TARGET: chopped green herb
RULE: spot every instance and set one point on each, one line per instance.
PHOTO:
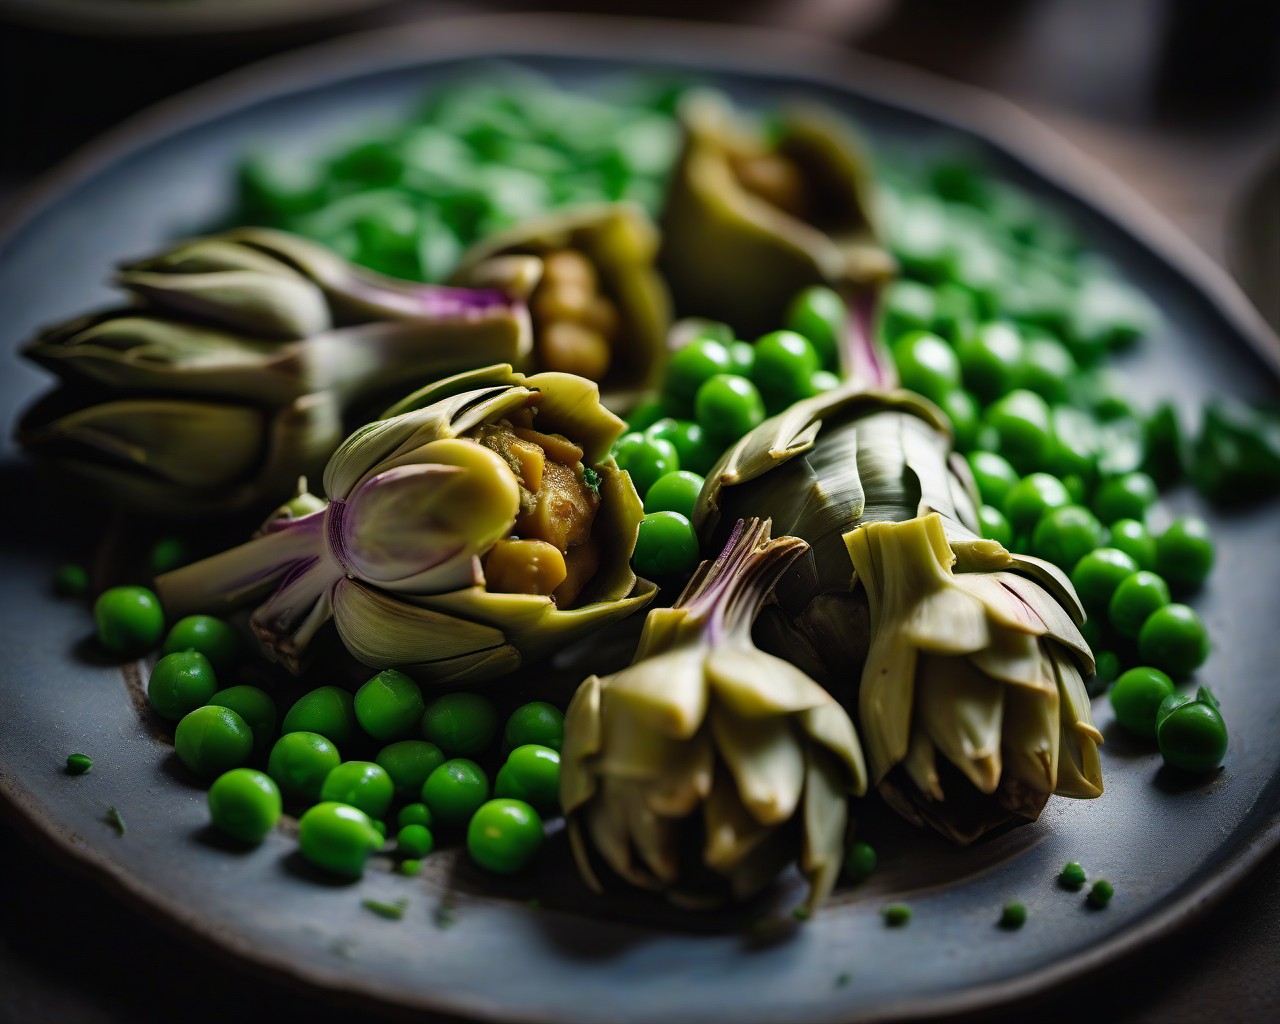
(115, 820)
(1072, 875)
(896, 915)
(800, 912)
(591, 478)
(444, 912)
(1100, 894)
(1013, 916)
(78, 764)
(411, 867)
(392, 910)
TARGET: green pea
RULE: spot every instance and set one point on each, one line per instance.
(361, 784)
(995, 526)
(415, 841)
(130, 620)
(1031, 498)
(990, 358)
(907, 306)
(414, 814)
(822, 382)
(180, 682)
(665, 544)
(1133, 538)
(859, 861)
(955, 312)
(1097, 575)
(1013, 916)
(531, 774)
(645, 459)
(1100, 894)
(819, 314)
(927, 365)
(1106, 672)
(690, 367)
(536, 722)
(504, 836)
(920, 238)
(962, 410)
(896, 915)
(1163, 445)
(1136, 697)
(1134, 601)
(454, 791)
(695, 452)
(1184, 554)
(994, 477)
(70, 581)
(1125, 497)
(674, 492)
(245, 804)
(215, 639)
(1173, 638)
(742, 358)
(727, 407)
(411, 868)
(784, 364)
(167, 554)
(645, 415)
(409, 762)
(461, 723)
(211, 740)
(1072, 875)
(338, 838)
(1021, 420)
(389, 705)
(78, 764)
(300, 762)
(255, 706)
(1066, 534)
(328, 710)
(1191, 733)
(1047, 368)
(1076, 446)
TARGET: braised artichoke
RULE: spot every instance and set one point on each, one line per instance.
(413, 556)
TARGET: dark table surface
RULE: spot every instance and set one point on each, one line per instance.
(1187, 112)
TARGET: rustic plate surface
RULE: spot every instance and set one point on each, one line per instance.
(474, 949)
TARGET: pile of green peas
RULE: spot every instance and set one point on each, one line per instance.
(715, 390)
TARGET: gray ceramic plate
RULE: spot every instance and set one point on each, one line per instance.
(1169, 849)
(176, 18)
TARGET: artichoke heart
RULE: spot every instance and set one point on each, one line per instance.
(481, 523)
(707, 766)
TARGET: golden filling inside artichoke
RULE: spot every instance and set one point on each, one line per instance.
(576, 326)
(551, 550)
(794, 179)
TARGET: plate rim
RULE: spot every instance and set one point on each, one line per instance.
(998, 122)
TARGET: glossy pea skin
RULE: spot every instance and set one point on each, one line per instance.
(78, 764)
(819, 315)
(1031, 498)
(927, 365)
(211, 740)
(1100, 894)
(338, 838)
(454, 790)
(962, 410)
(990, 358)
(1097, 575)
(645, 415)
(245, 804)
(674, 492)
(908, 306)
(727, 407)
(1013, 916)
(1129, 496)
(129, 620)
(1185, 554)
(993, 475)
(1047, 367)
(409, 762)
(414, 814)
(328, 710)
(742, 358)
(1022, 421)
(461, 723)
(300, 762)
(1072, 875)
(645, 459)
(1134, 601)
(1064, 535)
(1191, 733)
(415, 841)
(180, 682)
(896, 915)
(504, 835)
(1136, 697)
(536, 722)
(859, 861)
(362, 784)
(1135, 540)
(784, 365)
(1174, 639)
(995, 526)
(255, 706)
(1075, 448)
(389, 706)
(531, 774)
(665, 544)
(695, 452)
(691, 367)
(822, 382)
(215, 639)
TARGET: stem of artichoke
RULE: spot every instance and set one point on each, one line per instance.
(863, 357)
